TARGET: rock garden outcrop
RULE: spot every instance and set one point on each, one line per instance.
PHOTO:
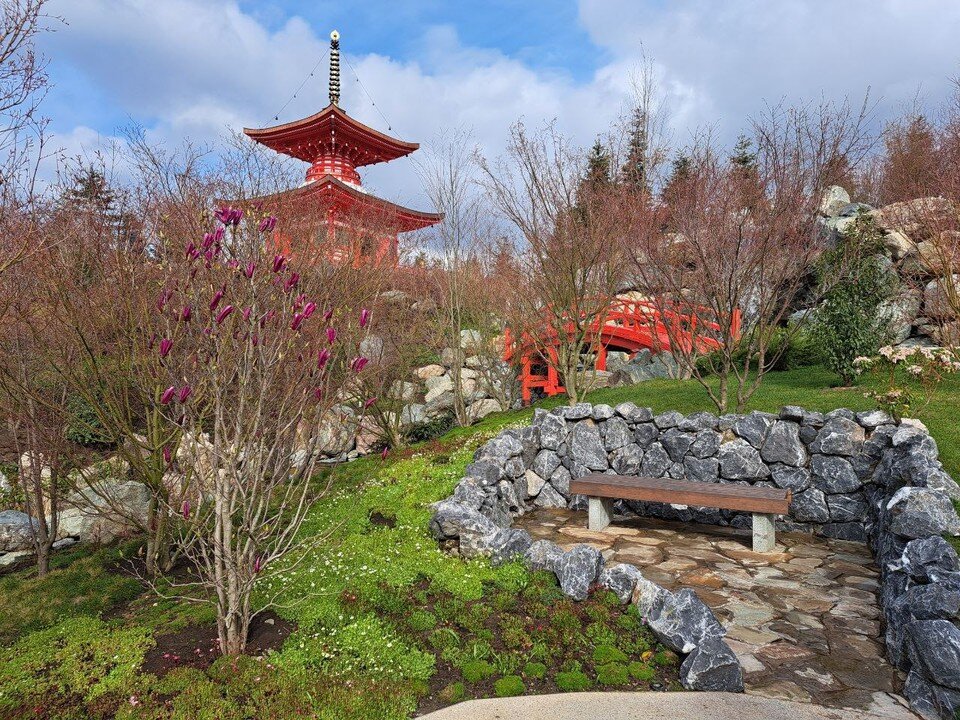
(854, 476)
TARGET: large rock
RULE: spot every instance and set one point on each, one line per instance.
(627, 459)
(782, 445)
(553, 431)
(930, 701)
(935, 647)
(586, 447)
(682, 622)
(809, 505)
(712, 666)
(481, 408)
(15, 532)
(917, 219)
(543, 555)
(753, 428)
(919, 512)
(839, 436)
(337, 431)
(453, 519)
(616, 433)
(929, 559)
(104, 511)
(676, 443)
(833, 200)
(834, 474)
(621, 580)
(578, 570)
(500, 546)
(656, 461)
(936, 298)
(739, 460)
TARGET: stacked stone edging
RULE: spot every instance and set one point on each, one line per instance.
(854, 476)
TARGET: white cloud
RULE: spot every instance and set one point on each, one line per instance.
(194, 67)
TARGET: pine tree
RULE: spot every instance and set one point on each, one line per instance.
(679, 174)
(634, 170)
(743, 154)
(91, 194)
(598, 165)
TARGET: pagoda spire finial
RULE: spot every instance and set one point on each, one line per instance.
(335, 68)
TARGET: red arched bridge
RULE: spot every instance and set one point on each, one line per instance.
(628, 325)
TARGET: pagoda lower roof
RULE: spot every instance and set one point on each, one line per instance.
(331, 131)
(330, 191)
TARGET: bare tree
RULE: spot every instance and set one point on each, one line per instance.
(570, 267)
(745, 241)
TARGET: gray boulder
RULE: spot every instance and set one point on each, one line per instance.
(560, 481)
(920, 512)
(701, 469)
(753, 427)
(930, 701)
(545, 463)
(586, 447)
(810, 505)
(501, 546)
(682, 622)
(633, 414)
(706, 443)
(578, 569)
(656, 461)
(782, 445)
(621, 580)
(15, 532)
(934, 645)
(453, 519)
(553, 431)
(834, 474)
(712, 666)
(645, 434)
(543, 555)
(838, 436)
(847, 507)
(549, 497)
(626, 460)
(790, 478)
(616, 433)
(739, 460)
(676, 443)
(928, 559)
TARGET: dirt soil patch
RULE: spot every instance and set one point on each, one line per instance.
(197, 646)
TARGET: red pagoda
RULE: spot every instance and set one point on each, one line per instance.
(331, 210)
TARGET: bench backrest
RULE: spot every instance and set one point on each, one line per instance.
(728, 496)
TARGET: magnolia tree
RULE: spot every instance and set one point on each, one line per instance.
(252, 354)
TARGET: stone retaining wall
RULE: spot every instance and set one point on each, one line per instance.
(854, 476)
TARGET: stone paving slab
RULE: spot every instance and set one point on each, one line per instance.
(675, 706)
(803, 620)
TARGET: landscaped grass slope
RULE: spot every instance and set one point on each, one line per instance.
(385, 621)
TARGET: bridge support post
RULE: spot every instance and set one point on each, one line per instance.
(599, 513)
(764, 532)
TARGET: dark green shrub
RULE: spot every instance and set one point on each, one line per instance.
(572, 681)
(84, 427)
(444, 638)
(433, 429)
(849, 321)
(509, 686)
(613, 674)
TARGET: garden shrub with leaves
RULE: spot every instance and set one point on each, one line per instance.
(849, 321)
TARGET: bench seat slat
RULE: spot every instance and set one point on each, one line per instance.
(727, 496)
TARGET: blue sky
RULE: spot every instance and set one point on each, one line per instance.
(197, 68)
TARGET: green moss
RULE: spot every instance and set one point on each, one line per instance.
(665, 657)
(607, 654)
(613, 674)
(453, 693)
(509, 686)
(572, 681)
(476, 671)
(422, 620)
(535, 670)
(641, 671)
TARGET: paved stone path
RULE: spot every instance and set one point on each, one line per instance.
(635, 705)
(803, 620)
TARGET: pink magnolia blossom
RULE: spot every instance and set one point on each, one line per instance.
(167, 455)
(185, 393)
(358, 363)
(323, 357)
(167, 395)
(327, 315)
(318, 393)
(163, 300)
(297, 321)
(186, 313)
(222, 315)
(331, 335)
(258, 564)
(364, 317)
(185, 509)
(291, 282)
(215, 300)
(384, 453)
(208, 240)
(278, 263)
(165, 346)
(248, 271)
(309, 309)
(190, 250)
(369, 403)
(246, 313)
(268, 224)
(233, 263)
(229, 215)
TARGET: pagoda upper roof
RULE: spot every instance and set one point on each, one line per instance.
(331, 131)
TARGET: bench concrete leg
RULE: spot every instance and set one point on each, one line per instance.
(764, 532)
(599, 513)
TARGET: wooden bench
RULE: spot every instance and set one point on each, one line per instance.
(765, 503)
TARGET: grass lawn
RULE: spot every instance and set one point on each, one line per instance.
(385, 623)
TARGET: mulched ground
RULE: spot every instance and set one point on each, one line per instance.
(197, 646)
